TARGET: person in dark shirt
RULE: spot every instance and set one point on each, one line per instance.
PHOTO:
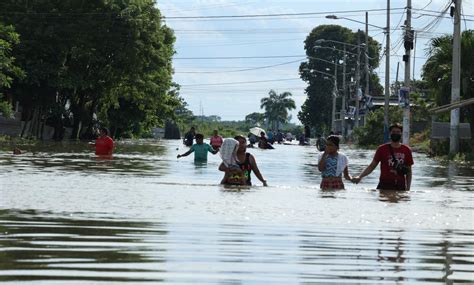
(395, 163)
(189, 137)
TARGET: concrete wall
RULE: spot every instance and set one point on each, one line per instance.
(10, 127)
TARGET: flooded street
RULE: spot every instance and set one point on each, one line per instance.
(67, 217)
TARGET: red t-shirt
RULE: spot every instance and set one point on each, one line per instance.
(104, 146)
(388, 175)
(216, 141)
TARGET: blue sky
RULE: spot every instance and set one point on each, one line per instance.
(227, 65)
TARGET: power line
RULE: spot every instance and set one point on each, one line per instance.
(275, 15)
(242, 70)
(241, 82)
(240, 57)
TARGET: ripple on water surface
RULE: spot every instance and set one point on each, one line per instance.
(144, 216)
(44, 246)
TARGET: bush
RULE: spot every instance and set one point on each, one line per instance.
(372, 133)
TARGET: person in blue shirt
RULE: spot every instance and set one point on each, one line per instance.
(200, 149)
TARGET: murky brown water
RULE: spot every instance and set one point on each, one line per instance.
(67, 217)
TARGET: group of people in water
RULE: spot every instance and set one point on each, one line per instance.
(237, 164)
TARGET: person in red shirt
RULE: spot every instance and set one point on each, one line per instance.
(395, 163)
(216, 141)
(104, 145)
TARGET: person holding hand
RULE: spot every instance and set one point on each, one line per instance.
(332, 165)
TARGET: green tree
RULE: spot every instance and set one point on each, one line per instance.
(371, 134)
(255, 119)
(276, 107)
(8, 70)
(316, 110)
(107, 60)
(437, 72)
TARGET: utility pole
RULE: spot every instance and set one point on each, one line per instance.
(367, 73)
(456, 79)
(408, 43)
(343, 106)
(414, 54)
(387, 75)
(357, 81)
(333, 115)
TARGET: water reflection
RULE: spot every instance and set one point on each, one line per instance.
(34, 244)
(69, 246)
(145, 216)
(393, 196)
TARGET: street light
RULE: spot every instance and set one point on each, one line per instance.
(333, 111)
(343, 105)
(334, 17)
(387, 64)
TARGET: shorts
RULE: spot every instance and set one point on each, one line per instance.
(332, 183)
(384, 185)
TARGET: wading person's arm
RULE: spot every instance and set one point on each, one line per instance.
(347, 176)
(408, 178)
(322, 162)
(366, 171)
(255, 169)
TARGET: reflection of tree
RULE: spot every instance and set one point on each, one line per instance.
(34, 241)
(136, 158)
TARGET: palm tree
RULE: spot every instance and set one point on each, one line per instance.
(276, 107)
(437, 71)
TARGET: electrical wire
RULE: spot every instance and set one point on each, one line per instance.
(274, 15)
(240, 82)
(242, 70)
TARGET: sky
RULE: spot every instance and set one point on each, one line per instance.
(226, 65)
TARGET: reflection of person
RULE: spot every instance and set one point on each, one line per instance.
(332, 164)
(246, 161)
(200, 149)
(189, 137)
(390, 156)
(233, 174)
(104, 145)
(216, 140)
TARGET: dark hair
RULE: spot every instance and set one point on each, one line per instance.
(104, 129)
(199, 136)
(334, 139)
(395, 125)
(237, 137)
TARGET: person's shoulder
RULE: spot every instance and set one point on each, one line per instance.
(406, 147)
(383, 146)
(342, 155)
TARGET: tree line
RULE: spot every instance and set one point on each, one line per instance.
(77, 63)
(324, 51)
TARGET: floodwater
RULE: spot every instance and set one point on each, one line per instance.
(67, 217)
